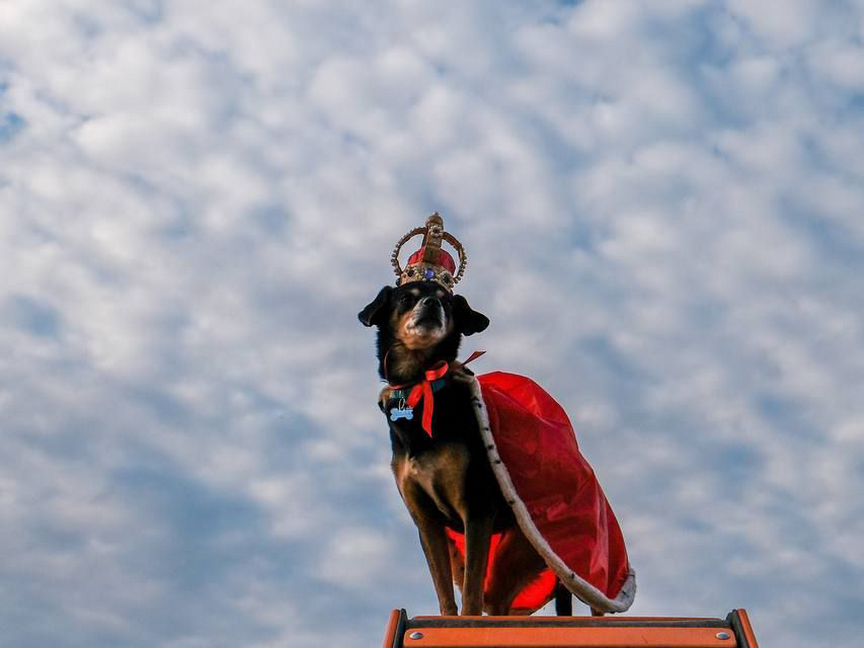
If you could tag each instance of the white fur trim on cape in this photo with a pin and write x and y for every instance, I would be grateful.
(582, 589)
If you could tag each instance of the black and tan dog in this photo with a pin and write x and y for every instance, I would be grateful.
(441, 468)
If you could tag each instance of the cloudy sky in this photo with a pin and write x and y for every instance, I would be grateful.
(663, 202)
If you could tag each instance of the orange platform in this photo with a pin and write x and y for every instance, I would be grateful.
(734, 631)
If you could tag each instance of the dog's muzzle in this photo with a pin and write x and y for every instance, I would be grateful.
(428, 314)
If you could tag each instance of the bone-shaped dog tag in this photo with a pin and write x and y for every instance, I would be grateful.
(400, 413)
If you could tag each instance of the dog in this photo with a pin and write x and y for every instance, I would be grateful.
(443, 473)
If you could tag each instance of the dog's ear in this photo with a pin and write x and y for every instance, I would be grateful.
(467, 321)
(372, 313)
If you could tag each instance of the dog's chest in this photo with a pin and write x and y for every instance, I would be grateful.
(439, 475)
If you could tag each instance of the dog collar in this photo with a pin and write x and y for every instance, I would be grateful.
(404, 393)
(408, 397)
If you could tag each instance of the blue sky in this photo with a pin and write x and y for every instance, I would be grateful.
(662, 204)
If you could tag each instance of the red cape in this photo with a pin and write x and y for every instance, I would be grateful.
(558, 501)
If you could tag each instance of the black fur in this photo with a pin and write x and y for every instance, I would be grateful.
(445, 479)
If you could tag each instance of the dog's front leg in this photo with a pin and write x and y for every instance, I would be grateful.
(478, 535)
(433, 538)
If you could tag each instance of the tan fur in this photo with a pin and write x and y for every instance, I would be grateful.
(435, 483)
(440, 476)
(418, 339)
(402, 361)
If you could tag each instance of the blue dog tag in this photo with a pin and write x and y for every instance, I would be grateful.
(400, 413)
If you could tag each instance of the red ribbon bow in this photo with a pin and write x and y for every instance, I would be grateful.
(423, 392)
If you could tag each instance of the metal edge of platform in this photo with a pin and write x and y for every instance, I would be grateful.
(737, 621)
(396, 627)
(564, 622)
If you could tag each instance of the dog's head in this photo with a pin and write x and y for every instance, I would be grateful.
(419, 324)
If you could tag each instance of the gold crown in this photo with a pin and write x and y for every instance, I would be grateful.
(430, 262)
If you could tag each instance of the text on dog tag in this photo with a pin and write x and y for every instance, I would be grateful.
(399, 413)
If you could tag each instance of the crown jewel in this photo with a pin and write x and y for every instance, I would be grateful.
(430, 262)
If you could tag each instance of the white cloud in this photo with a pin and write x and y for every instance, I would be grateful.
(660, 201)
(779, 24)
